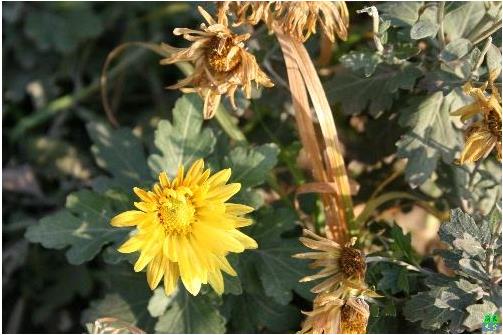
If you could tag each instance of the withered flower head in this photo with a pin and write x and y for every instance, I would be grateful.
(354, 316)
(483, 135)
(341, 312)
(221, 62)
(340, 265)
(297, 18)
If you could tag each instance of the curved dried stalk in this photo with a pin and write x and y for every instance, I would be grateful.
(222, 116)
(326, 159)
(104, 78)
(308, 137)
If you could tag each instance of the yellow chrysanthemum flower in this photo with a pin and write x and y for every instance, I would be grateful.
(484, 135)
(185, 228)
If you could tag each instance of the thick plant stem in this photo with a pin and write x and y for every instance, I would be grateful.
(326, 159)
(308, 137)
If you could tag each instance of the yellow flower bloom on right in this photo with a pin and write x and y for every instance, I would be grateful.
(484, 135)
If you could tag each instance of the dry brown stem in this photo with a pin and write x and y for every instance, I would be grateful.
(327, 163)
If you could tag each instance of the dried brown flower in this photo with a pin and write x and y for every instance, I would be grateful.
(484, 135)
(298, 19)
(341, 312)
(221, 62)
(354, 316)
(341, 265)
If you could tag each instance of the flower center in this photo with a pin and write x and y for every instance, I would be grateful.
(352, 322)
(352, 262)
(218, 57)
(493, 121)
(175, 214)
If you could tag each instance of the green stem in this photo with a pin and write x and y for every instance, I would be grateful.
(373, 204)
(54, 107)
(222, 115)
(408, 266)
(225, 120)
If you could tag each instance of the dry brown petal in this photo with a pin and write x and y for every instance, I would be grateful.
(483, 136)
(221, 63)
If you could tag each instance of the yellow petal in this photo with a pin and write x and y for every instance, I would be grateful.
(127, 219)
(145, 206)
(216, 240)
(178, 181)
(245, 240)
(214, 216)
(171, 275)
(144, 195)
(478, 145)
(468, 111)
(171, 247)
(147, 254)
(194, 171)
(158, 190)
(237, 209)
(202, 177)
(223, 193)
(216, 281)
(155, 270)
(240, 222)
(224, 264)
(164, 179)
(219, 178)
(131, 245)
(187, 272)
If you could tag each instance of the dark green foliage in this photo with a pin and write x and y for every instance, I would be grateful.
(67, 171)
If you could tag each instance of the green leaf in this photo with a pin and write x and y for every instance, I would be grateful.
(183, 141)
(470, 19)
(377, 92)
(401, 244)
(159, 302)
(127, 298)
(68, 283)
(455, 50)
(395, 279)
(476, 314)
(278, 271)
(55, 28)
(252, 313)
(250, 166)
(493, 59)
(366, 61)
(469, 245)
(120, 153)
(432, 136)
(232, 285)
(443, 305)
(84, 226)
(460, 226)
(422, 29)
(401, 14)
(191, 315)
